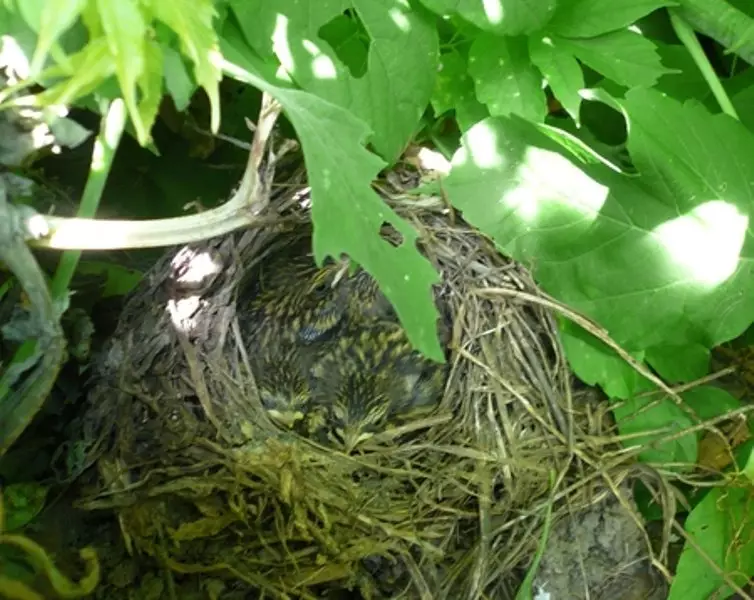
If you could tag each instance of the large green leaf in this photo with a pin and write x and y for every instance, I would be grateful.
(590, 18)
(401, 63)
(504, 77)
(504, 17)
(347, 213)
(654, 259)
(721, 527)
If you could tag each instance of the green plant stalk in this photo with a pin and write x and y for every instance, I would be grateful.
(686, 34)
(105, 146)
(722, 22)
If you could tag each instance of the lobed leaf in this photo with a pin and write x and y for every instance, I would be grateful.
(125, 31)
(561, 70)
(401, 62)
(653, 259)
(503, 17)
(192, 21)
(55, 18)
(590, 18)
(504, 78)
(624, 56)
(347, 213)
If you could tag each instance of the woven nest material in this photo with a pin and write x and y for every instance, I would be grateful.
(451, 506)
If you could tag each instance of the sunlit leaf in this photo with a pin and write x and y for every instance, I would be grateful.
(150, 85)
(125, 31)
(192, 21)
(55, 18)
(660, 259)
(89, 68)
(504, 77)
(590, 18)
(401, 62)
(503, 17)
(624, 56)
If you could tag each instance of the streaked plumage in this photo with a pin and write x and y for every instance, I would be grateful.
(372, 378)
(327, 350)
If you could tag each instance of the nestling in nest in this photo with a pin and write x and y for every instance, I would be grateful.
(327, 351)
(231, 453)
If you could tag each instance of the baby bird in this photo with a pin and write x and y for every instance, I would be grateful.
(372, 378)
(326, 348)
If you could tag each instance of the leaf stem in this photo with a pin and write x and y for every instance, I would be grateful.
(724, 23)
(103, 154)
(687, 36)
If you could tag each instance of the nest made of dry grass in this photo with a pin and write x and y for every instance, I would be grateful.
(203, 481)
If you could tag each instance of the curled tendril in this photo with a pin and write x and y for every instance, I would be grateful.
(40, 560)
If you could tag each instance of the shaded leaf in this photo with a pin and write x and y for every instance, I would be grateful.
(454, 90)
(347, 213)
(22, 502)
(658, 420)
(679, 363)
(721, 527)
(177, 79)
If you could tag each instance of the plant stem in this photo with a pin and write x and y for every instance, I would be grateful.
(103, 153)
(686, 34)
(724, 23)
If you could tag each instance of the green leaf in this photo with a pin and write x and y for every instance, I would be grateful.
(590, 18)
(504, 77)
(22, 502)
(722, 528)
(679, 363)
(119, 280)
(177, 80)
(56, 17)
(88, 69)
(640, 415)
(150, 86)
(595, 363)
(709, 402)
(454, 90)
(504, 17)
(623, 56)
(401, 62)
(561, 70)
(653, 259)
(125, 31)
(192, 21)
(347, 213)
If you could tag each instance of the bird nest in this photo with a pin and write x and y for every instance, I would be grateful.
(446, 506)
